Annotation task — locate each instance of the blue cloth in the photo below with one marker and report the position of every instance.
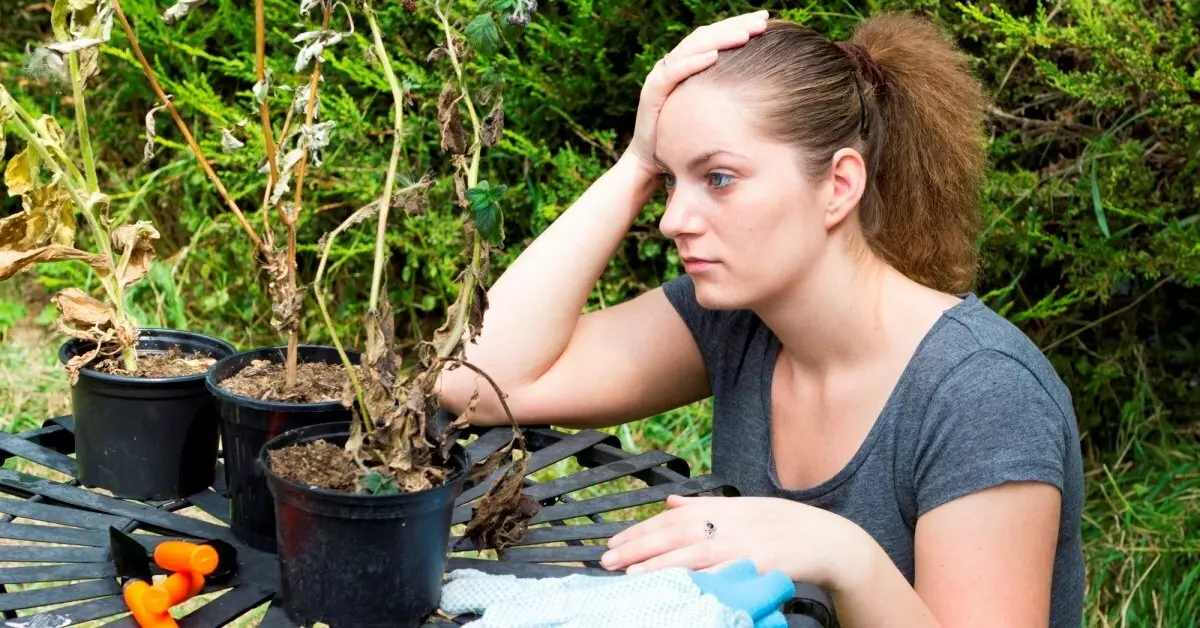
(734, 597)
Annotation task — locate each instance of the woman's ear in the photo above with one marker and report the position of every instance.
(849, 178)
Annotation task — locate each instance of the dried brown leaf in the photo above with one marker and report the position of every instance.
(13, 262)
(460, 189)
(83, 312)
(454, 137)
(47, 217)
(138, 239)
(493, 124)
(463, 421)
(415, 200)
(503, 513)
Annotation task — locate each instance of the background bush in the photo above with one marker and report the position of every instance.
(1091, 208)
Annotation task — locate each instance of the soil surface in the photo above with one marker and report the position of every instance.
(266, 380)
(172, 363)
(320, 463)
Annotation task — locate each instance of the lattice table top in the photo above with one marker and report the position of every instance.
(57, 531)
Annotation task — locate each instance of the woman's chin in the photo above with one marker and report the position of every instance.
(718, 295)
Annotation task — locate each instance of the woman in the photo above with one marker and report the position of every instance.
(899, 443)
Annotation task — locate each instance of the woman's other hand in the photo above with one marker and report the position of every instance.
(696, 52)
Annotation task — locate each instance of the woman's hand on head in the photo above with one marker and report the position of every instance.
(696, 52)
(807, 543)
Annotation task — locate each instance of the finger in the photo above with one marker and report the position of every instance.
(719, 39)
(654, 524)
(718, 35)
(675, 70)
(656, 543)
(697, 556)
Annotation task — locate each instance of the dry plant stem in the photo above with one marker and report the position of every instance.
(293, 216)
(337, 343)
(499, 394)
(468, 288)
(81, 121)
(113, 288)
(260, 45)
(183, 128)
(397, 142)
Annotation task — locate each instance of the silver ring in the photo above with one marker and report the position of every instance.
(709, 530)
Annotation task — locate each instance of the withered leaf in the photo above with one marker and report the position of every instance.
(21, 172)
(137, 240)
(484, 469)
(410, 5)
(493, 124)
(460, 189)
(464, 420)
(454, 137)
(415, 199)
(13, 262)
(503, 513)
(47, 217)
(82, 311)
(50, 131)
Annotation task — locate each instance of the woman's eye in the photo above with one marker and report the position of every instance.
(720, 179)
(668, 180)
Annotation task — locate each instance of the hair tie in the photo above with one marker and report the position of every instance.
(870, 69)
(871, 72)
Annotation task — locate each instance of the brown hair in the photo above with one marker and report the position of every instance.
(904, 96)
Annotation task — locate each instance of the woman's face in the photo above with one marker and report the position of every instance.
(747, 220)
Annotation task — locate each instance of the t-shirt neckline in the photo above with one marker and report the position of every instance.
(767, 377)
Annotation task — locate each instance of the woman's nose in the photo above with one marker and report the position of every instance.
(680, 217)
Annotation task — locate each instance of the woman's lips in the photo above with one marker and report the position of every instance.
(693, 265)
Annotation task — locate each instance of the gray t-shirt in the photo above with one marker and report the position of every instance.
(978, 405)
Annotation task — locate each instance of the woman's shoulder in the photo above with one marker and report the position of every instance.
(980, 348)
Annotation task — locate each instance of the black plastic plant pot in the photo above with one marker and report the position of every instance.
(360, 560)
(146, 438)
(247, 424)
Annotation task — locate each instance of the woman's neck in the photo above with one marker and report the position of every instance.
(849, 311)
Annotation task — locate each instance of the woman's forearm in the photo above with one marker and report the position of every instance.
(868, 590)
(534, 306)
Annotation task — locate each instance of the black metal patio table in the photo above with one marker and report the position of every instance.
(74, 580)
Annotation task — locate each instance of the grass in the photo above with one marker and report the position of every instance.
(1141, 526)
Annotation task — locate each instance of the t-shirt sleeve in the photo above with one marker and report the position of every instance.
(989, 422)
(703, 323)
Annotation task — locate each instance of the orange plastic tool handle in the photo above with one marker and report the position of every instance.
(149, 605)
(182, 585)
(185, 556)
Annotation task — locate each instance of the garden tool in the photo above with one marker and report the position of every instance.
(733, 597)
(190, 565)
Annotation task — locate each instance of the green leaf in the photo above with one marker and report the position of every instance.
(504, 5)
(483, 33)
(1097, 205)
(377, 483)
(485, 208)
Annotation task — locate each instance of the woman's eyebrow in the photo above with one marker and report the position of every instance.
(700, 159)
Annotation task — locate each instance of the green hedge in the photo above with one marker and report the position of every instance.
(1091, 245)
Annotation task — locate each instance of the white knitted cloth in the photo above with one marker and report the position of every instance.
(657, 599)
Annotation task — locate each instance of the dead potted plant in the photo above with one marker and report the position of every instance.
(265, 391)
(382, 487)
(145, 427)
